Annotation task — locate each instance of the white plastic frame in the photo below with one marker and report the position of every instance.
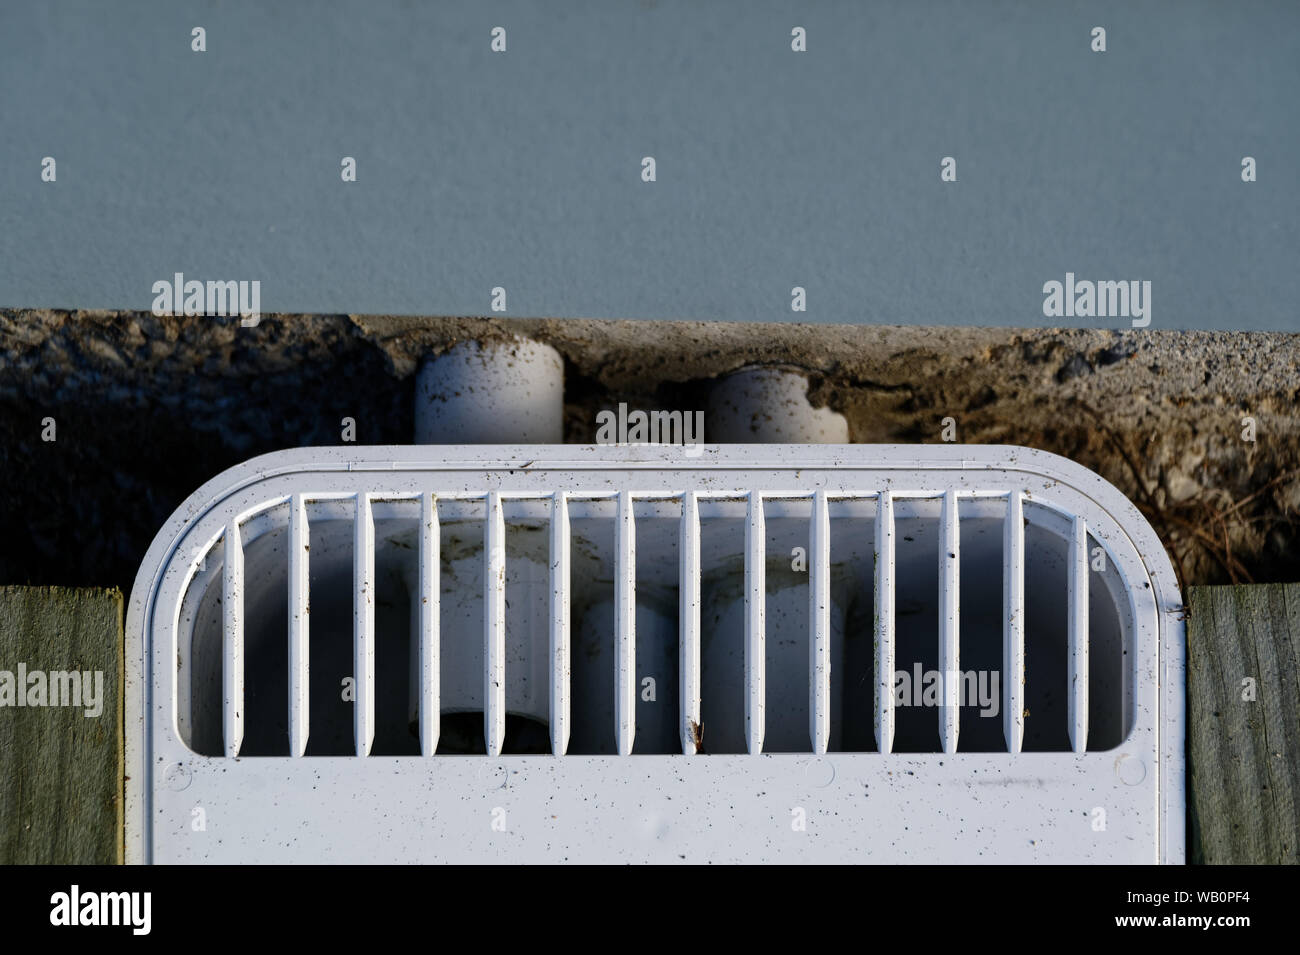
(996, 807)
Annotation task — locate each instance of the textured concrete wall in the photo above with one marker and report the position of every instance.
(149, 408)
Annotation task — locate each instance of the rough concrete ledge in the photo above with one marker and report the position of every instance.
(148, 408)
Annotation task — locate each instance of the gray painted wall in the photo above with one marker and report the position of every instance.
(775, 168)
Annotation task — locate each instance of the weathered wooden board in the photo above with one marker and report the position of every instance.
(1244, 753)
(60, 768)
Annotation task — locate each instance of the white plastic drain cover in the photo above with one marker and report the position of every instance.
(758, 653)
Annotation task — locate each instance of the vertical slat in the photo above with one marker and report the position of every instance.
(561, 667)
(689, 589)
(755, 623)
(819, 610)
(1013, 634)
(430, 613)
(232, 601)
(1078, 596)
(625, 626)
(299, 626)
(949, 624)
(885, 623)
(494, 628)
(363, 626)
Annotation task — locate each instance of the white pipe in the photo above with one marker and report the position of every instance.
(509, 392)
(770, 406)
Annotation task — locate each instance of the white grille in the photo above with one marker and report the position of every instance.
(771, 594)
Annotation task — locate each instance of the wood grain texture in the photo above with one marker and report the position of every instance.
(1244, 794)
(60, 770)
